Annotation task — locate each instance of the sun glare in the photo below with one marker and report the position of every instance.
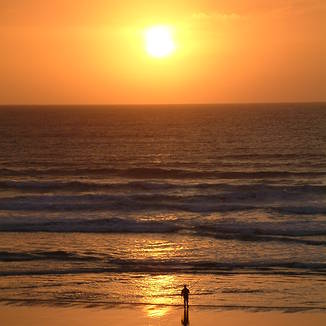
(159, 41)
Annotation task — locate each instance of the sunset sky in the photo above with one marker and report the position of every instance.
(94, 52)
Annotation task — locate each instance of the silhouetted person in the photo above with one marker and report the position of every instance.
(185, 294)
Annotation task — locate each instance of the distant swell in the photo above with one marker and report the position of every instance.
(61, 186)
(158, 173)
(223, 202)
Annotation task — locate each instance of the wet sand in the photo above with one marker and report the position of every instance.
(151, 315)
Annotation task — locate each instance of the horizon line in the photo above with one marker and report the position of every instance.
(157, 104)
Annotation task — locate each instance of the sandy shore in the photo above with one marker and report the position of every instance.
(151, 315)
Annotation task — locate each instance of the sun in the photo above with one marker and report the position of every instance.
(159, 41)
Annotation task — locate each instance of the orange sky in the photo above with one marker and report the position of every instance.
(92, 52)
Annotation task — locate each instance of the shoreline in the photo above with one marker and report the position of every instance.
(107, 305)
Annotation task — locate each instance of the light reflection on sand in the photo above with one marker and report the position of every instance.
(156, 311)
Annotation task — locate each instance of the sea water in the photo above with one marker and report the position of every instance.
(105, 206)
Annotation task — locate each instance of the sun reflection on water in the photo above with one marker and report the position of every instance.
(160, 292)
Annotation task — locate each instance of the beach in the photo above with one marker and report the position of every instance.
(151, 316)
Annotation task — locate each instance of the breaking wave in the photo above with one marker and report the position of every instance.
(285, 232)
(110, 264)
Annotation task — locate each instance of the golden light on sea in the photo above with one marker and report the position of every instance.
(157, 288)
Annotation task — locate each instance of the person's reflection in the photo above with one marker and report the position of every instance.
(185, 320)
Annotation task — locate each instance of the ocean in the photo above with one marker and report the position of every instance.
(121, 205)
